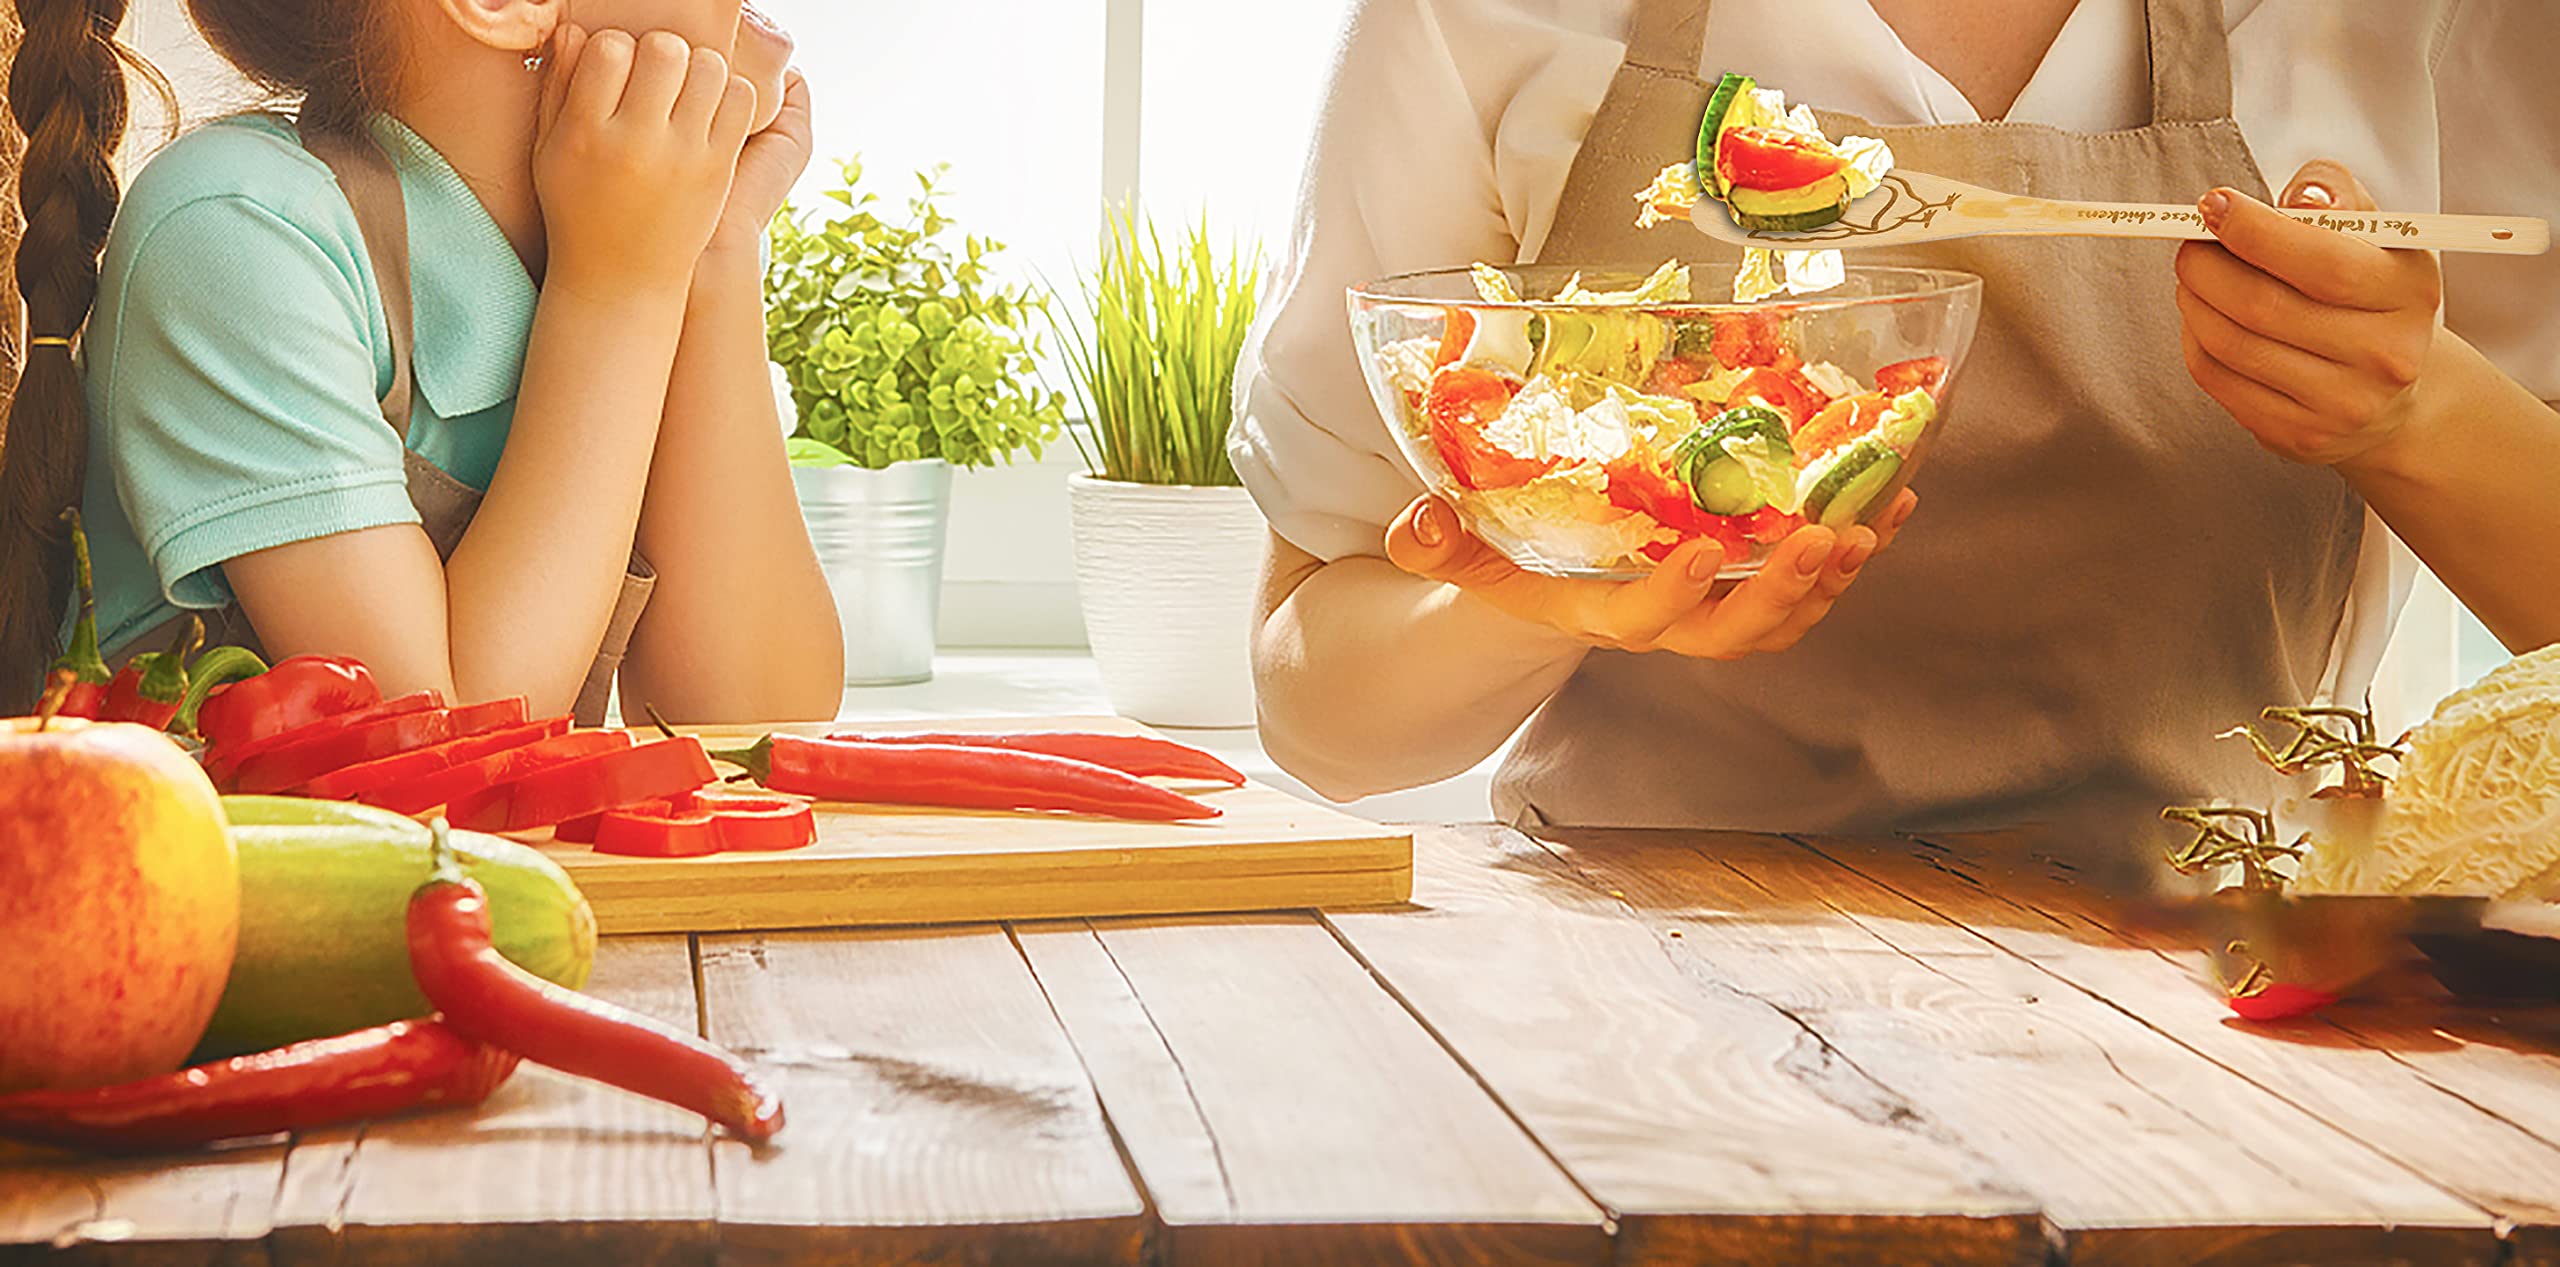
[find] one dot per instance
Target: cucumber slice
(1795, 223)
(1717, 483)
(1860, 475)
(1729, 90)
(1723, 487)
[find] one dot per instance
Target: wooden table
(1611, 1047)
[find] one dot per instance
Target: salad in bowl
(1591, 431)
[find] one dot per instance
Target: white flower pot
(1168, 576)
(880, 538)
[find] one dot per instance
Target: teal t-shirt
(239, 353)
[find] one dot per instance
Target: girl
(2113, 572)
(452, 471)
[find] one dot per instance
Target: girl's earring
(536, 60)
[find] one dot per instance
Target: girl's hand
(2313, 340)
(769, 167)
(635, 149)
(1668, 611)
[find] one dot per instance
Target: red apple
(119, 904)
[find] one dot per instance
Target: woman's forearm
(2468, 482)
(533, 583)
(1372, 679)
(742, 626)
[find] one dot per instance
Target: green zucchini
(1731, 91)
(324, 894)
(1791, 210)
(1719, 484)
(1856, 479)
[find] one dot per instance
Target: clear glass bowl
(1589, 439)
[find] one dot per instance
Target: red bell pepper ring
(1924, 373)
(1142, 755)
(293, 694)
(352, 782)
(952, 777)
(90, 677)
(466, 777)
(552, 796)
(222, 762)
(742, 824)
(758, 824)
(299, 763)
(656, 830)
(1767, 159)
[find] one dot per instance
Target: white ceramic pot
(880, 538)
(1167, 576)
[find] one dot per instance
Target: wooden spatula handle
(2492, 235)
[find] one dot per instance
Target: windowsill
(1060, 683)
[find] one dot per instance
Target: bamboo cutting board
(892, 865)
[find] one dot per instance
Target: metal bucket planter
(1167, 576)
(880, 536)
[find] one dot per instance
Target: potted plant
(905, 357)
(1168, 544)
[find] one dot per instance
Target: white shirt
(1450, 126)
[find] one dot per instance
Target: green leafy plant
(1156, 372)
(898, 344)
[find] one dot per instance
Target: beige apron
(445, 504)
(2105, 570)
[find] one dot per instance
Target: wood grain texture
(554, 1169)
(2138, 1149)
(885, 865)
(1282, 1108)
(2466, 1097)
(1712, 1125)
(936, 1111)
(56, 1208)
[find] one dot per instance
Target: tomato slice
(549, 797)
(1788, 393)
(221, 764)
(1454, 336)
(1839, 422)
(354, 781)
(299, 763)
(417, 796)
(1747, 338)
(1638, 482)
(1461, 401)
(1763, 158)
(1923, 373)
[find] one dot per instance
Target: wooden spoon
(1911, 207)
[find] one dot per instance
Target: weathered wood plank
(2469, 1100)
(554, 1169)
(1714, 1126)
(57, 1208)
(2138, 1149)
(1282, 1108)
(937, 1113)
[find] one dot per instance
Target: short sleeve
(1400, 177)
(237, 399)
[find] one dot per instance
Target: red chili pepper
(1918, 374)
(222, 763)
(89, 673)
(549, 797)
(1141, 755)
(152, 687)
(298, 763)
(351, 1078)
(293, 694)
(466, 777)
(481, 994)
(953, 777)
(352, 782)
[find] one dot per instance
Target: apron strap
(1668, 35)
(2190, 61)
(372, 187)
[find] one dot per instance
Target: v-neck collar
(2092, 76)
(473, 298)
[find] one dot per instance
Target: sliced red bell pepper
(1789, 394)
(299, 763)
(223, 762)
(1638, 482)
(1923, 373)
(549, 797)
(466, 777)
(351, 782)
(656, 830)
(758, 824)
(1747, 338)
(1454, 336)
(1763, 158)
(293, 694)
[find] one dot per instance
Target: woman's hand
(2313, 340)
(637, 143)
(767, 169)
(1669, 611)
